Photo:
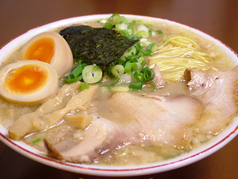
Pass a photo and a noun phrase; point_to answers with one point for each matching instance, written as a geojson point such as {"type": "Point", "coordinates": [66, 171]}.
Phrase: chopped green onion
{"type": "Point", "coordinates": [72, 79]}
{"type": "Point", "coordinates": [117, 70]}
{"type": "Point", "coordinates": [138, 47]}
{"type": "Point", "coordinates": [149, 86]}
{"type": "Point", "coordinates": [133, 36]}
{"type": "Point", "coordinates": [135, 66]}
{"type": "Point", "coordinates": [121, 62]}
{"type": "Point", "coordinates": [83, 86]}
{"type": "Point", "coordinates": [142, 33]}
{"type": "Point", "coordinates": [149, 26]}
{"type": "Point", "coordinates": [133, 60]}
{"type": "Point", "coordinates": [117, 79]}
{"type": "Point", "coordinates": [159, 31]}
{"type": "Point", "coordinates": [145, 42]}
{"type": "Point", "coordinates": [129, 52]}
{"type": "Point", "coordinates": [76, 73]}
{"type": "Point", "coordinates": [138, 76]}
{"type": "Point", "coordinates": [143, 27]}
{"type": "Point", "coordinates": [117, 19]}
{"type": "Point", "coordinates": [123, 32]}
{"type": "Point", "coordinates": [36, 140]}
{"type": "Point", "coordinates": [138, 21]}
{"type": "Point", "coordinates": [142, 61]}
{"type": "Point", "coordinates": [92, 74]}
{"type": "Point", "coordinates": [109, 25]}
{"type": "Point", "coordinates": [122, 26]}
{"type": "Point", "coordinates": [146, 53]}
{"type": "Point", "coordinates": [131, 28]}
{"type": "Point", "coordinates": [148, 74]}
{"type": "Point", "coordinates": [119, 88]}
{"type": "Point", "coordinates": [78, 69]}
{"type": "Point", "coordinates": [152, 47]}
{"type": "Point", "coordinates": [128, 67]}
{"type": "Point", "coordinates": [137, 85]}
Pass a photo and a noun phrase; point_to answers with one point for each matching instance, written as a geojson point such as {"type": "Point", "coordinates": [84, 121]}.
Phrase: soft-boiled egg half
{"type": "Point", "coordinates": [28, 81]}
{"type": "Point", "coordinates": [49, 47]}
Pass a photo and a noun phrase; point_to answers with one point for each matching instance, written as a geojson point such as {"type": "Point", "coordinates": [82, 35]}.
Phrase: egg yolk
{"type": "Point", "coordinates": [42, 49]}
{"type": "Point", "coordinates": [26, 79]}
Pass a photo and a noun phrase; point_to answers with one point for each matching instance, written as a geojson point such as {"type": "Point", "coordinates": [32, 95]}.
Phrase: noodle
{"type": "Point", "coordinates": [176, 54]}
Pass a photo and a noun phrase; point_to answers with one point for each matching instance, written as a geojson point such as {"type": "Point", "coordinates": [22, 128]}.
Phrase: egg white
{"type": "Point", "coordinates": [45, 92]}
{"type": "Point", "coordinates": [62, 59]}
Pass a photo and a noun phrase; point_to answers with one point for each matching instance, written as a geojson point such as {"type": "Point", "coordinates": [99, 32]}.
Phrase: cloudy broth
{"type": "Point", "coordinates": [123, 154]}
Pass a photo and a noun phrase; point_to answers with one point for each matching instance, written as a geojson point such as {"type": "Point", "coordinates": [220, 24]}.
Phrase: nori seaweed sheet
{"type": "Point", "coordinates": [98, 46]}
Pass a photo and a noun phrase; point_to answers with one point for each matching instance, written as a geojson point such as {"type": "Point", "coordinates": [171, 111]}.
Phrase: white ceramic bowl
{"type": "Point", "coordinates": [215, 144]}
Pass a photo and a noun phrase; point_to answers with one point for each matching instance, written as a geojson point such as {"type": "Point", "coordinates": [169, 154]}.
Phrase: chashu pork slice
{"type": "Point", "coordinates": [100, 136]}
{"type": "Point", "coordinates": [218, 92]}
{"type": "Point", "coordinates": [160, 120]}
{"type": "Point", "coordinates": [132, 119]}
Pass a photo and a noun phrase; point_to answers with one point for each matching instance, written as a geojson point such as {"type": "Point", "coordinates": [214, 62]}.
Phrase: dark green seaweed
{"type": "Point", "coordinates": [98, 46]}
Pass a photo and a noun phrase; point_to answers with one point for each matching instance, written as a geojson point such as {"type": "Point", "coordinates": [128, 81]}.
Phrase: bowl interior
{"type": "Point", "coordinates": [212, 146]}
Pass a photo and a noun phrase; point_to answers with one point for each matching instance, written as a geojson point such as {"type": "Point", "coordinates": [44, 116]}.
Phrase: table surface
{"type": "Point", "coordinates": [215, 17]}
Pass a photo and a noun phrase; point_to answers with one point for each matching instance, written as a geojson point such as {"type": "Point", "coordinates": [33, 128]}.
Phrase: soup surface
{"type": "Point", "coordinates": [166, 92]}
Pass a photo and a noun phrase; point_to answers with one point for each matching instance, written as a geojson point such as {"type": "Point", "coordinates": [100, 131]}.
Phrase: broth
{"type": "Point", "coordinates": [125, 153]}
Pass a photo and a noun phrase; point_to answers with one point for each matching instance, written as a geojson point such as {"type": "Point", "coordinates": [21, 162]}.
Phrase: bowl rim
{"type": "Point", "coordinates": [195, 155]}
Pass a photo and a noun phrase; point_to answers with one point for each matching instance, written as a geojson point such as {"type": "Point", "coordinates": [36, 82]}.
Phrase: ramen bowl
{"type": "Point", "coordinates": [195, 155]}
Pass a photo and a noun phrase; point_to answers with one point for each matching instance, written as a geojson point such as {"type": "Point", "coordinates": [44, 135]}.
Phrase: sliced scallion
{"type": "Point", "coordinates": [152, 47]}
{"type": "Point", "coordinates": [137, 85]}
{"type": "Point", "coordinates": [131, 28]}
{"type": "Point", "coordinates": [78, 69]}
{"type": "Point", "coordinates": [109, 25]}
{"type": "Point", "coordinates": [148, 74]}
{"type": "Point", "coordinates": [133, 60]}
{"type": "Point", "coordinates": [120, 89]}
{"type": "Point", "coordinates": [122, 26]}
{"type": "Point", "coordinates": [138, 76]}
{"type": "Point", "coordinates": [92, 74]}
{"type": "Point", "coordinates": [123, 32]}
{"type": "Point", "coordinates": [159, 31]}
{"type": "Point", "coordinates": [149, 86]}
{"type": "Point", "coordinates": [128, 68]}
{"type": "Point", "coordinates": [142, 61]}
{"type": "Point", "coordinates": [142, 33]}
{"type": "Point", "coordinates": [117, 70]}
{"type": "Point", "coordinates": [72, 79]}
{"type": "Point", "coordinates": [117, 19]}
{"type": "Point", "coordinates": [83, 86]}
{"type": "Point", "coordinates": [76, 73]}
{"type": "Point", "coordinates": [36, 140]}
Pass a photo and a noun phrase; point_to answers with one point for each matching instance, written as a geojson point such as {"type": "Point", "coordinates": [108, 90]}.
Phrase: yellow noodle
{"type": "Point", "coordinates": [184, 42]}
{"type": "Point", "coordinates": [176, 54]}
